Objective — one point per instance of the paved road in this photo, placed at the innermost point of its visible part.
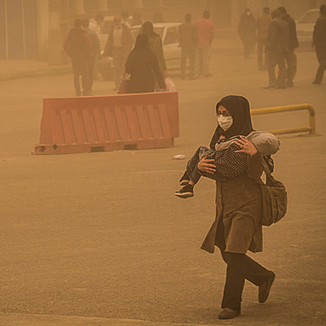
(101, 235)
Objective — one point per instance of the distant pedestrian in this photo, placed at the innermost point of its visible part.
(95, 53)
(277, 48)
(262, 26)
(155, 44)
(319, 41)
(247, 32)
(118, 45)
(95, 24)
(206, 30)
(142, 65)
(188, 39)
(78, 47)
(290, 57)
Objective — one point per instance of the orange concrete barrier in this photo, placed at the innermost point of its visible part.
(105, 123)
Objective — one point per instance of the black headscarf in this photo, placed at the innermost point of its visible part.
(148, 29)
(239, 108)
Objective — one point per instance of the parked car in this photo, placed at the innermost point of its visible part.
(168, 33)
(305, 28)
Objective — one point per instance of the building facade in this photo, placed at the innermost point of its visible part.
(35, 29)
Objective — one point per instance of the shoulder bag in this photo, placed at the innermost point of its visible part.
(274, 198)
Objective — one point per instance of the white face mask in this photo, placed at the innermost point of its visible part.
(225, 122)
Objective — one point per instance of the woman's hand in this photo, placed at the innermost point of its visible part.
(247, 146)
(206, 165)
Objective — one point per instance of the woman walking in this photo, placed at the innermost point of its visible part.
(143, 67)
(237, 227)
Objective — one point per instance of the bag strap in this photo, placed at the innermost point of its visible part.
(265, 166)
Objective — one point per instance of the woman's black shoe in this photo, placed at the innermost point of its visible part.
(265, 288)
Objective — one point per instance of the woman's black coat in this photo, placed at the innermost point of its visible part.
(143, 67)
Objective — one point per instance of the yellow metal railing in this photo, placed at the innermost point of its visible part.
(296, 107)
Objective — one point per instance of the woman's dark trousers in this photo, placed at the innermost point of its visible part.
(239, 268)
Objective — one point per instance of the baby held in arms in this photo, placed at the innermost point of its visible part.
(228, 158)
